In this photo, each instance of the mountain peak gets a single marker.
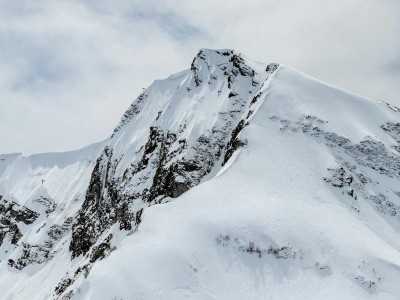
(231, 62)
(222, 55)
(216, 57)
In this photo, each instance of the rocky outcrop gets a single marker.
(42, 252)
(11, 216)
(358, 163)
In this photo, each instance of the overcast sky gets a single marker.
(69, 69)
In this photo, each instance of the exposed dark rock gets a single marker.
(7, 228)
(239, 66)
(284, 252)
(31, 254)
(11, 215)
(56, 231)
(178, 188)
(394, 108)
(16, 212)
(272, 67)
(195, 69)
(102, 250)
(63, 285)
(339, 178)
(82, 231)
(234, 143)
(138, 216)
(48, 203)
(132, 111)
(232, 95)
(365, 283)
(384, 205)
(255, 99)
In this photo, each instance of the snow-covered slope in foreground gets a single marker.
(285, 187)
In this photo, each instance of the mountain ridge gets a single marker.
(270, 169)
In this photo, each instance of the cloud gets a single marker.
(69, 69)
(347, 43)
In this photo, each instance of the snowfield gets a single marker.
(235, 179)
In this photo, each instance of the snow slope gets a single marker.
(235, 179)
(22, 176)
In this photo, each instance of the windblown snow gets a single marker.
(235, 179)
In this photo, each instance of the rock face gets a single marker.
(64, 213)
(13, 215)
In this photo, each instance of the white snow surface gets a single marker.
(265, 225)
(21, 176)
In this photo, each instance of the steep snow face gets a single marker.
(287, 188)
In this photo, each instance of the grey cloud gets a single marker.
(69, 69)
(393, 67)
(68, 72)
(39, 64)
(175, 25)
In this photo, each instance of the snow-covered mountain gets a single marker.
(234, 179)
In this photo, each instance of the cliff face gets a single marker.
(256, 139)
